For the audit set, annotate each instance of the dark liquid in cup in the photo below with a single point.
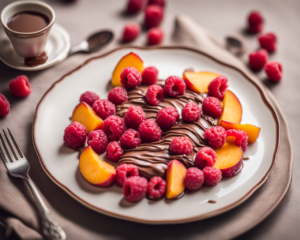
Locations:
(28, 22)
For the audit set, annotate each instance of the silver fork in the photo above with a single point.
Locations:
(19, 167)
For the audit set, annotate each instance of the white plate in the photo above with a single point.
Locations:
(61, 163)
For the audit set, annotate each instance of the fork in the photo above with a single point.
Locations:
(19, 167)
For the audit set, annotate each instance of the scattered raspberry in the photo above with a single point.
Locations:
(193, 179)
(206, 157)
(98, 141)
(135, 188)
(255, 22)
(241, 138)
(257, 60)
(156, 188)
(130, 32)
(181, 145)
(135, 6)
(153, 16)
(256, 29)
(211, 106)
(149, 76)
(114, 127)
(4, 106)
(134, 117)
(20, 86)
(114, 151)
(191, 112)
(167, 117)
(174, 86)
(125, 171)
(216, 136)
(268, 42)
(217, 87)
(104, 108)
(130, 139)
(149, 131)
(158, 2)
(118, 95)
(212, 176)
(130, 77)
(89, 98)
(75, 135)
(155, 36)
(154, 95)
(274, 71)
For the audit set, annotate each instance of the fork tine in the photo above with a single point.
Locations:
(10, 146)
(16, 145)
(2, 156)
(7, 153)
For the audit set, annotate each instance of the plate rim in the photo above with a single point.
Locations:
(173, 221)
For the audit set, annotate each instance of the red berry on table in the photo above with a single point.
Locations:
(153, 16)
(134, 6)
(155, 36)
(154, 95)
(130, 77)
(255, 22)
(257, 60)
(174, 86)
(104, 108)
(4, 106)
(268, 41)
(211, 106)
(114, 127)
(149, 131)
(274, 71)
(75, 135)
(98, 141)
(218, 87)
(212, 176)
(193, 179)
(125, 171)
(89, 98)
(191, 112)
(206, 157)
(149, 76)
(241, 138)
(157, 2)
(130, 139)
(181, 145)
(114, 151)
(216, 136)
(130, 32)
(167, 117)
(134, 117)
(118, 95)
(156, 188)
(20, 86)
(135, 188)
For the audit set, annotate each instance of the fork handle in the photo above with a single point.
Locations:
(51, 228)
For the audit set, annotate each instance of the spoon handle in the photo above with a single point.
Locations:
(82, 47)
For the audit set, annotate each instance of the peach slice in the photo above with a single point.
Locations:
(251, 130)
(95, 170)
(129, 60)
(229, 159)
(176, 172)
(232, 108)
(85, 115)
(198, 81)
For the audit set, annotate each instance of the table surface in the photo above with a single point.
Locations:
(221, 18)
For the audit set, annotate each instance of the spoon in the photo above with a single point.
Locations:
(93, 42)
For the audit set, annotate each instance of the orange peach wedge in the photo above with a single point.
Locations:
(229, 159)
(95, 170)
(85, 115)
(251, 130)
(129, 60)
(198, 81)
(232, 108)
(176, 172)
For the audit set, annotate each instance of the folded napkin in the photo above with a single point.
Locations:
(18, 212)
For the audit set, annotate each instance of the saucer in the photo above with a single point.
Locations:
(57, 48)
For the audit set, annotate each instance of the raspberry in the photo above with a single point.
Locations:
(217, 87)
(216, 136)
(153, 16)
(256, 29)
(193, 179)
(274, 71)
(4, 106)
(125, 171)
(20, 86)
(104, 108)
(181, 145)
(89, 98)
(149, 131)
(268, 42)
(135, 188)
(75, 135)
(118, 95)
(98, 141)
(149, 76)
(130, 77)
(157, 2)
(174, 86)
(130, 32)
(134, 117)
(156, 187)
(241, 138)
(114, 151)
(155, 36)
(167, 117)
(212, 176)
(135, 6)
(191, 112)
(257, 60)
(206, 157)
(255, 22)
(211, 106)
(114, 127)
(130, 139)
(154, 95)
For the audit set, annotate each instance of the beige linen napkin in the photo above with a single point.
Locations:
(18, 211)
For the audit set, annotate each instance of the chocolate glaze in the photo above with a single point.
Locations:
(34, 61)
